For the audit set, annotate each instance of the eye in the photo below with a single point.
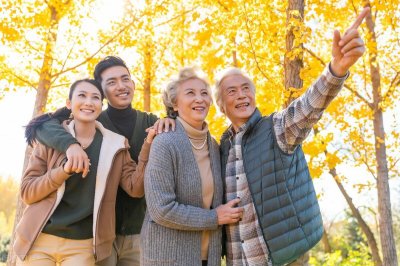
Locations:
(246, 88)
(81, 95)
(110, 83)
(127, 79)
(231, 92)
(204, 93)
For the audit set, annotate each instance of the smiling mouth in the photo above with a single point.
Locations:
(87, 111)
(198, 108)
(242, 105)
(123, 94)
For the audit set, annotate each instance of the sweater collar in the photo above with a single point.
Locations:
(192, 132)
(118, 114)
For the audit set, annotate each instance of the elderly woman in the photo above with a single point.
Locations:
(183, 184)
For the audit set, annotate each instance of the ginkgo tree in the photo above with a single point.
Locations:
(357, 117)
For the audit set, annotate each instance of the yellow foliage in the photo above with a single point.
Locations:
(315, 170)
(332, 160)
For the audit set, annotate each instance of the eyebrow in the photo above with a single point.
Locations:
(83, 91)
(241, 85)
(114, 78)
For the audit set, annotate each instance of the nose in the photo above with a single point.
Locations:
(241, 94)
(199, 98)
(120, 84)
(89, 101)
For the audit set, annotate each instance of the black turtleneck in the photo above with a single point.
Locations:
(123, 119)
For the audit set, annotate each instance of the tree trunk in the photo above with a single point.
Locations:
(234, 53)
(292, 74)
(357, 215)
(40, 106)
(325, 242)
(182, 35)
(293, 66)
(384, 205)
(147, 78)
(363, 225)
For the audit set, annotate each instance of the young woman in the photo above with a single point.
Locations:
(70, 220)
(183, 184)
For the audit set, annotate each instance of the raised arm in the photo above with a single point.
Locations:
(132, 180)
(38, 182)
(52, 134)
(293, 124)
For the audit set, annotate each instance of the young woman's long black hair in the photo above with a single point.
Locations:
(60, 114)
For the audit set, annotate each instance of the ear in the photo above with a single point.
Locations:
(68, 103)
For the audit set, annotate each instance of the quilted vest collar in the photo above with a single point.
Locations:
(253, 120)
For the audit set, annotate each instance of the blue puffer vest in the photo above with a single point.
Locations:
(282, 191)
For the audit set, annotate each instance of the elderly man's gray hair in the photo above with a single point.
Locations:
(218, 83)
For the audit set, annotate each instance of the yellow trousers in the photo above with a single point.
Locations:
(49, 250)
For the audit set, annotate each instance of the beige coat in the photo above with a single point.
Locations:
(43, 186)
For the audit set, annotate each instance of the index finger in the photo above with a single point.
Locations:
(360, 18)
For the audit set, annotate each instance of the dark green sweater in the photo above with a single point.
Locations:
(73, 217)
(129, 211)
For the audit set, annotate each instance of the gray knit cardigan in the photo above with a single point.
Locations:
(174, 221)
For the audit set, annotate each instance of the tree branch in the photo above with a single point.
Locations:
(61, 85)
(176, 17)
(356, 93)
(65, 61)
(393, 84)
(223, 6)
(22, 79)
(391, 167)
(251, 44)
(369, 168)
(97, 51)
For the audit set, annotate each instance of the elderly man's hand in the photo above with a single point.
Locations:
(347, 49)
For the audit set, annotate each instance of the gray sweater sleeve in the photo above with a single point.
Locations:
(52, 134)
(161, 199)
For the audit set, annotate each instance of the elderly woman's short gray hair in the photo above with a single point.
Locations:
(218, 83)
(171, 91)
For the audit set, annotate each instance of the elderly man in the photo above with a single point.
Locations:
(264, 165)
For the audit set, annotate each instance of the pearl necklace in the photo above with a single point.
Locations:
(199, 147)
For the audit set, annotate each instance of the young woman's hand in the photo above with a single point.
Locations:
(151, 134)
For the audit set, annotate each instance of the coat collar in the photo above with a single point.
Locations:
(253, 120)
(111, 144)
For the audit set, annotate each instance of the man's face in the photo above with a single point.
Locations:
(118, 86)
(238, 99)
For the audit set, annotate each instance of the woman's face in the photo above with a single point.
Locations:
(193, 102)
(85, 103)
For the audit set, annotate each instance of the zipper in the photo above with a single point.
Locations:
(101, 203)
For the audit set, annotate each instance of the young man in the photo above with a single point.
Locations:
(264, 165)
(120, 117)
